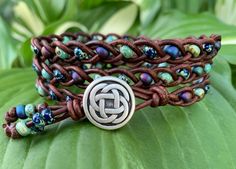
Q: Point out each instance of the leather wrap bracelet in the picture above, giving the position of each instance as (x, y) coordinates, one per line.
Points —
(99, 77)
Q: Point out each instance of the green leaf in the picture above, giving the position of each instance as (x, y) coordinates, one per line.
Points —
(148, 10)
(121, 21)
(7, 48)
(226, 11)
(178, 24)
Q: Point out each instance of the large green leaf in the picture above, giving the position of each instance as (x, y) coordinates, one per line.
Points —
(199, 136)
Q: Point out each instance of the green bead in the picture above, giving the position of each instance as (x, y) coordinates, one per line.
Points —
(207, 68)
(22, 129)
(194, 49)
(29, 110)
(126, 51)
(46, 75)
(66, 39)
(198, 70)
(61, 53)
(166, 77)
(96, 76)
(80, 38)
(163, 64)
(41, 91)
(199, 92)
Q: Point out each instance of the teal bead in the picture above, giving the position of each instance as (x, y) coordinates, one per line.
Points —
(41, 91)
(198, 70)
(29, 110)
(47, 62)
(66, 39)
(126, 51)
(124, 78)
(166, 77)
(163, 64)
(147, 65)
(62, 54)
(207, 68)
(110, 38)
(46, 75)
(99, 65)
(97, 37)
(80, 54)
(22, 129)
(199, 92)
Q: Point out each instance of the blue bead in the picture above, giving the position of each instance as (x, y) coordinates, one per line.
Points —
(20, 111)
(58, 75)
(208, 47)
(52, 95)
(173, 51)
(150, 52)
(47, 116)
(102, 52)
(38, 120)
(183, 72)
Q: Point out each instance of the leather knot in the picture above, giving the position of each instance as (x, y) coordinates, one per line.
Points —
(75, 109)
(10, 116)
(10, 130)
(160, 96)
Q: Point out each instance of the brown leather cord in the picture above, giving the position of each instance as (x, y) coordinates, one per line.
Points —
(69, 103)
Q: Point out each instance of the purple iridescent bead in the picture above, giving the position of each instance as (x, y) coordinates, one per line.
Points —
(76, 77)
(146, 78)
(102, 52)
(186, 96)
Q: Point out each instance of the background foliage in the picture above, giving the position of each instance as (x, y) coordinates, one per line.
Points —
(201, 136)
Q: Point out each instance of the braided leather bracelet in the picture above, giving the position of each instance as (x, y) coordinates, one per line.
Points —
(98, 76)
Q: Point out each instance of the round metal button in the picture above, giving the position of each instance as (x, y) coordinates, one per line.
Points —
(108, 102)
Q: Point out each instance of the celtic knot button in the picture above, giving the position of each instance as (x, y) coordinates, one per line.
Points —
(108, 102)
